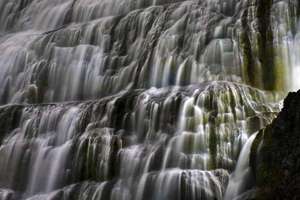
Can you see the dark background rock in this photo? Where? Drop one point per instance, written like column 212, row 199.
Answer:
column 275, row 154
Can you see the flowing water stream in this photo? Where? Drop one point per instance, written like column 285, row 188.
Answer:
column 139, row 99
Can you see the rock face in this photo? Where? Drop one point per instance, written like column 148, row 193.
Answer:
column 275, row 156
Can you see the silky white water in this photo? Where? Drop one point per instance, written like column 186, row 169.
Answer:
column 242, row 174
column 137, row 99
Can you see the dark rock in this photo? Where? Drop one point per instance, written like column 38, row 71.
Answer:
column 275, row 154
column 248, row 195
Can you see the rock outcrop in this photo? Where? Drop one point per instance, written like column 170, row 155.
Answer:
column 275, row 154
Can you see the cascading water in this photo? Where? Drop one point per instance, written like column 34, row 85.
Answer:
column 242, row 175
column 137, row 99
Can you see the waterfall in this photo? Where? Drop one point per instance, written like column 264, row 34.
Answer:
column 138, row 99
column 242, row 174
column 295, row 62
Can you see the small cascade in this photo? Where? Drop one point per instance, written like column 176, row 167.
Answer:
column 241, row 177
column 60, row 144
column 295, row 47
column 139, row 99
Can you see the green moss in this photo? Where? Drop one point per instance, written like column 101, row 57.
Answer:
column 262, row 67
column 213, row 148
column 248, row 72
column 12, row 115
column 280, row 74
column 32, row 94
